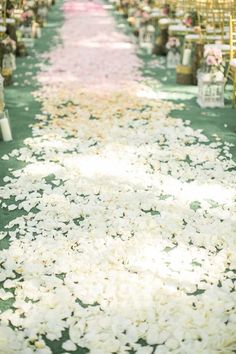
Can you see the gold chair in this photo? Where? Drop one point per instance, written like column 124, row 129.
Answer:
column 214, row 19
column 232, row 63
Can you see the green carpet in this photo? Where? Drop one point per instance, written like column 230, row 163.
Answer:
column 23, row 107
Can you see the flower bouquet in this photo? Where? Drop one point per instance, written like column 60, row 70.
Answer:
column 27, row 17
column 173, row 55
column 213, row 65
column 8, row 64
column 145, row 15
column 190, row 19
column 211, row 79
column 166, row 10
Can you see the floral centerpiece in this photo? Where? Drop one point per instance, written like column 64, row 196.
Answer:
column 173, row 52
column 213, row 64
column 145, row 15
column 146, row 30
column 27, row 17
column 211, row 79
column 190, row 19
column 166, row 10
column 8, row 64
column 213, row 57
column 173, row 45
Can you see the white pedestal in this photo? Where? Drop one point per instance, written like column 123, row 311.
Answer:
column 172, row 60
column 211, row 90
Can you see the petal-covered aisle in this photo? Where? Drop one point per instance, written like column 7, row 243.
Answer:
column 126, row 238
column 93, row 53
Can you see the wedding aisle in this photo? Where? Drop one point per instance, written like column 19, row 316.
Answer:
column 124, row 241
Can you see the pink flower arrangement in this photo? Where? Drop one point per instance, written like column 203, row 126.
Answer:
column 145, row 17
column 213, row 56
column 173, row 43
column 188, row 21
column 27, row 16
column 166, row 10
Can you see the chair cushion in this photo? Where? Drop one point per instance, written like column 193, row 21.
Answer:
column 222, row 47
column 178, row 28
column 192, row 37
column 233, row 63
